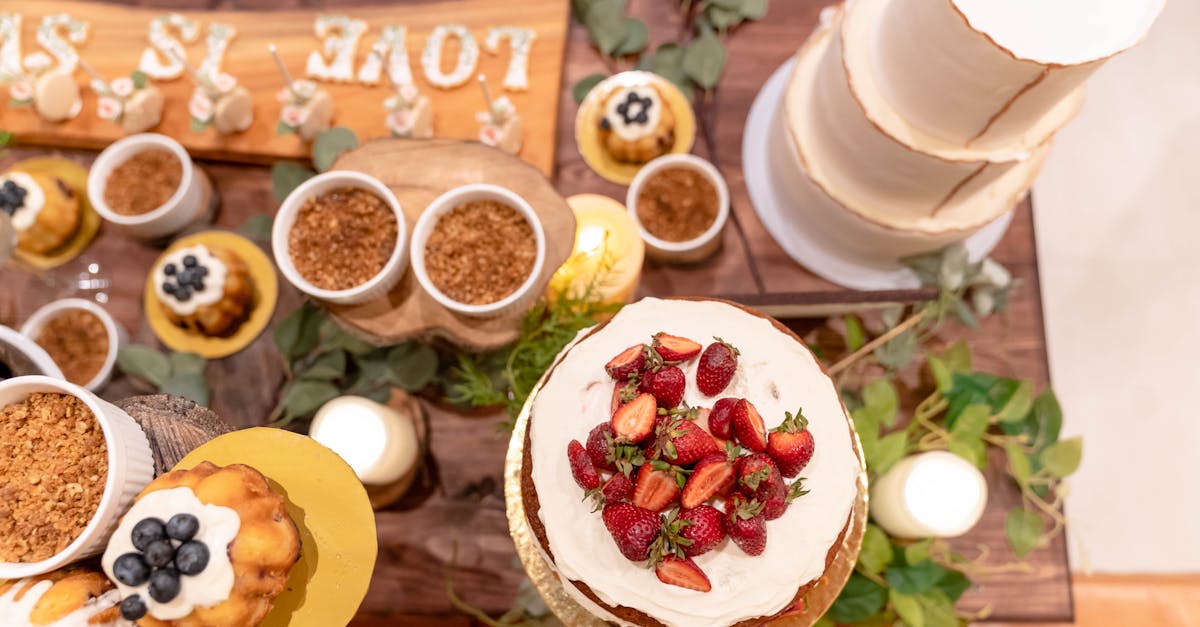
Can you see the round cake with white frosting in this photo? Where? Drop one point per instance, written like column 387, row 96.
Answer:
column 729, row 506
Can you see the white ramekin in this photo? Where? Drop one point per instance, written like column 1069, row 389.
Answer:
column 458, row 196
column 692, row 250
column 116, row 333
column 375, row 287
column 130, row 468
column 187, row 205
column 30, row 349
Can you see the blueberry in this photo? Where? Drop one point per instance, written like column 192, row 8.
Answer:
column 192, row 557
column 189, row 261
column 184, row 294
column 164, row 584
column 168, row 287
column 185, row 276
column 169, row 269
column 622, row 108
column 183, row 527
column 131, row 570
column 133, row 608
column 198, row 285
column 146, row 531
column 642, row 118
column 160, row 553
column 605, row 124
column 202, row 271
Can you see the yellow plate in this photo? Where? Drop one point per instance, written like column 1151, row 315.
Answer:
column 76, row 176
column 330, row 508
column 587, row 124
column 266, row 293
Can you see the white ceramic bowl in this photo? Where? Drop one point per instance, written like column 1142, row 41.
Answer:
column 692, row 250
column 116, row 334
column 130, row 468
column 30, row 349
column 441, row 205
column 187, row 205
column 373, row 288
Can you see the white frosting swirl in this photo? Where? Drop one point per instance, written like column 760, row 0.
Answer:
column 14, row 611
column 214, row 281
column 778, row 374
column 633, row 131
column 35, row 199
column 218, row 527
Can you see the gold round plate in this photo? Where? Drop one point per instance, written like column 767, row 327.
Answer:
column 587, row 124
column 550, row 587
column 331, row 510
column 266, row 293
column 76, row 176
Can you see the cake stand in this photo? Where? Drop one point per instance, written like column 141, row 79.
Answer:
column 772, row 201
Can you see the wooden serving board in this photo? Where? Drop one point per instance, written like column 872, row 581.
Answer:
column 118, row 34
column 419, row 171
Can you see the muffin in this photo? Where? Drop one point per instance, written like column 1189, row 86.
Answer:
column 203, row 288
column 637, row 125
column 45, row 210
column 70, row 596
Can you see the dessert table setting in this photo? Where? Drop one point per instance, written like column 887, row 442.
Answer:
column 586, row 312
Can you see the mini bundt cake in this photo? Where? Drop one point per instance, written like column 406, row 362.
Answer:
column 206, row 289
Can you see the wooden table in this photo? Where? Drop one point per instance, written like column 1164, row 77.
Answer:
column 463, row 506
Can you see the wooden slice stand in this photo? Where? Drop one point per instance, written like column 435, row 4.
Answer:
column 419, row 171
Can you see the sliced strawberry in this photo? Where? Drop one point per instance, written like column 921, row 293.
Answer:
column 581, row 466
column 619, row 489
column 712, row 477
column 759, row 478
column 623, row 393
column 681, row 441
column 628, row 362
column 703, row 527
column 666, row 384
column 720, row 419
column 656, row 487
column 633, row 529
column 748, row 426
column 675, row 349
column 746, row 526
column 717, row 367
column 791, row 444
column 634, row 421
column 683, row 573
column 599, row 446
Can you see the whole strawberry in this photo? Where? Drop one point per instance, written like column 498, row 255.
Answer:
column 581, row 466
column 666, row 384
column 746, row 525
column 791, row 444
column 717, row 367
column 748, row 426
column 680, row 441
column 628, row 363
column 674, row 349
column 720, row 419
column 633, row 528
column 619, row 489
column 704, row 527
column 600, row 444
column 760, row 479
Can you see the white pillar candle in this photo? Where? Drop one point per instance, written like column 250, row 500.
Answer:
column 936, row 494
column 378, row 442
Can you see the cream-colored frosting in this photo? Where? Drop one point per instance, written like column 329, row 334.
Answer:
column 15, row 612
column 214, row 281
column 218, row 527
column 778, row 374
column 35, row 199
column 634, row 131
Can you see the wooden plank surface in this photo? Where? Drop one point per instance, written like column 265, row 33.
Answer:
column 119, row 34
column 463, row 504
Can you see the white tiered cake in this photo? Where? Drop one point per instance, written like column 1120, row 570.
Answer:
column 911, row 124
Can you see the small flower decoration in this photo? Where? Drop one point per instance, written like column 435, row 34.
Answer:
column 115, row 94
column 21, row 93
column 294, row 113
column 400, row 107
column 400, row 122
column 110, row 108
column 21, row 90
column 224, row 83
column 122, row 87
column 502, row 109
column 490, row 135
column 201, row 109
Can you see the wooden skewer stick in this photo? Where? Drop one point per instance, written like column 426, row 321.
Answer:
column 487, row 97
column 287, row 76
column 94, row 74
column 199, row 80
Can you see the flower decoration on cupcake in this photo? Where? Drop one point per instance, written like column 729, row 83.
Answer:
column 409, row 113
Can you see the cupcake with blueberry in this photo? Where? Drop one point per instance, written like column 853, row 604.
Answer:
column 45, row 210
column 203, row 288
column 637, row 125
column 206, row 547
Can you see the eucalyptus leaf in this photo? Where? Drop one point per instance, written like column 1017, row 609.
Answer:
column 287, row 176
column 704, row 59
column 144, row 363
column 258, row 227
column 974, row 451
column 298, row 333
column 731, row 5
column 876, row 551
column 1018, row 464
column 327, row 366
column 283, row 128
column 754, row 9
column 937, row 609
column 303, row 398
column 955, row 267
column 898, row 351
column 606, row 25
column 412, row 365
column 140, row 79
column 585, row 85
column 855, row 337
column 859, row 600
column 1062, row 458
column 722, row 18
column 1024, row 530
column 579, row 8
column 667, row 62
column 908, row 607
column 926, row 266
column 636, row 36
column 331, row 143
column 914, row 578
column 187, row 363
column 880, row 397
column 191, row 386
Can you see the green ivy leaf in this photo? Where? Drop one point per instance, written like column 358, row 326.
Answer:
column 953, row 585
column 1018, row 464
column 937, row 609
column 940, row 372
column 1024, row 529
column 972, row 423
column 140, row 80
column 287, row 176
column 636, row 36
column 918, row 552
column 331, row 143
column 298, row 333
column 1048, row 416
column 908, row 607
column 1018, row 405
column 585, row 85
column 855, row 337
column 974, row 451
column 303, row 398
column 914, row 578
column 412, row 365
column 187, row 363
column 704, row 59
column 191, row 386
column 859, row 600
column 866, row 423
column 876, row 551
column 258, row 227
column 879, row 396
column 326, row 367
column 886, row 452
column 958, row 357
column 1063, row 457
column 144, row 363
column 606, row 25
